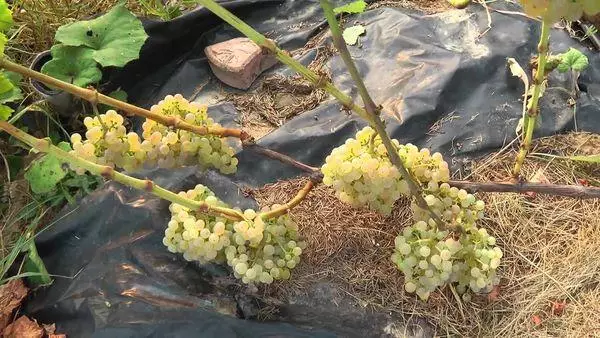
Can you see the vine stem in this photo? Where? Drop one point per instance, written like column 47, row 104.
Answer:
column 95, row 97
column 533, row 108
column 372, row 111
column 283, row 56
column 107, row 172
column 300, row 196
column 574, row 191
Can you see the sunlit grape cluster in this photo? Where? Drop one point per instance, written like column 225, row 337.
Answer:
column 554, row 10
column 268, row 256
column 108, row 143
column 455, row 206
column 169, row 148
column 430, row 258
column 361, row 173
column 258, row 250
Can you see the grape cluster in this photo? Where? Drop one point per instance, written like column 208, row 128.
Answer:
column 430, row 258
column 553, row 10
column 361, row 173
column 268, row 255
column 455, row 206
column 108, row 143
column 258, row 250
column 169, row 148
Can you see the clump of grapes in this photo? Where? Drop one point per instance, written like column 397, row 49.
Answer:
column 361, row 173
column 258, row 250
column 430, row 258
column 108, row 143
column 170, row 148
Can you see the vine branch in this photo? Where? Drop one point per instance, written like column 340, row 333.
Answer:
column 372, row 111
column 574, row 191
column 95, row 97
column 107, row 172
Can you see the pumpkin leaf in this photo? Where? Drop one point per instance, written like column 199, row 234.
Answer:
column 74, row 65
column 44, row 173
column 572, row 59
column 115, row 37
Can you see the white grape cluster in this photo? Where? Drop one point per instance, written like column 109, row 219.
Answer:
column 169, row 148
column 258, row 250
column 108, row 143
column 430, row 258
column 271, row 255
column 554, row 10
column 361, row 173
column 455, row 206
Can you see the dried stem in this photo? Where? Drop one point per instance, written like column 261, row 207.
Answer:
column 95, row 97
column 107, row 172
column 533, row 108
column 372, row 111
column 292, row 203
column 574, row 191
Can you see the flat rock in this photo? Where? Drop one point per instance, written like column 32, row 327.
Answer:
column 238, row 62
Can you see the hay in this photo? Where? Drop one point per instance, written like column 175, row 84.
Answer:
column 280, row 98
column 549, row 245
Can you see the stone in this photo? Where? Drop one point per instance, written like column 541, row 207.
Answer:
column 238, row 62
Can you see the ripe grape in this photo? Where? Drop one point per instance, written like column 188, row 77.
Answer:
column 176, row 148
column 258, row 250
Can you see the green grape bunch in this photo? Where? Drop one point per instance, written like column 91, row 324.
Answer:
column 107, row 141
column 553, row 10
column 258, row 250
column 361, row 173
column 169, row 148
column 430, row 258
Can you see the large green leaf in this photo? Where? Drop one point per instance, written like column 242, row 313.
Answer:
column 45, row 172
column 591, row 7
column 15, row 93
column 6, row 19
column 5, row 112
column 116, row 37
column 73, row 64
column 351, row 8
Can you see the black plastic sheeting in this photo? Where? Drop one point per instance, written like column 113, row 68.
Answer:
column 427, row 70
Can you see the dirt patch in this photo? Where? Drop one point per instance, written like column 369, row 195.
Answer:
column 548, row 244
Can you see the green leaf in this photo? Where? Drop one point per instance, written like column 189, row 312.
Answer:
column 116, row 37
column 118, row 94
column 351, row 8
column 15, row 93
column 5, row 112
column 573, row 59
column 45, row 173
column 74, row 65
column 591, row 7
column 351, row 34
column 6, row 19
column 38, row 275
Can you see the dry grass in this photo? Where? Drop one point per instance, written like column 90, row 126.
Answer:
column 549, row 245
column 278, row 98
column 427, row 6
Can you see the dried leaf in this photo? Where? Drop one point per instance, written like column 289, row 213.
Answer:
column 11, row 296
column 536, row 320
column 558, row 308
column 23, row 327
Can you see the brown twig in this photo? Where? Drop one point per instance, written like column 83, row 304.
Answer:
column 573, row 191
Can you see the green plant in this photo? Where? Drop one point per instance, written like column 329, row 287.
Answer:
column 111, row 40
column 165, row 10
column 550, row 12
